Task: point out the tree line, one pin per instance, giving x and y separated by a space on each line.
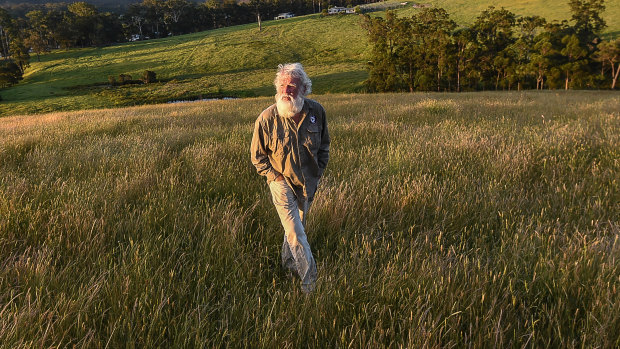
499 51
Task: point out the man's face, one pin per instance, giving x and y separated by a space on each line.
288 88
289 98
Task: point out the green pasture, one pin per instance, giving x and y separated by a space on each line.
443 220
236 61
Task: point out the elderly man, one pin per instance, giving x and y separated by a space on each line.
290 147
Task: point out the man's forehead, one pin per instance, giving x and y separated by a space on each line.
288 79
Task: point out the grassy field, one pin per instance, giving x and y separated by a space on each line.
237 61
443 220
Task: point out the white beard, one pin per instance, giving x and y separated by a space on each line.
289 108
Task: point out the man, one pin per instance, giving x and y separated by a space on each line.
290 147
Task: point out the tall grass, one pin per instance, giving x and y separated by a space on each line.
483 219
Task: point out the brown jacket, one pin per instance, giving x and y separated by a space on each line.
299 152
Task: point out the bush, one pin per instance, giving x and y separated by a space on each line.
124 79
149 77
324 12
111 80
10 73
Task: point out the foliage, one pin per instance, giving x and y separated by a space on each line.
609 55
443 220
149 77
124 78
588 20
10 73
498 51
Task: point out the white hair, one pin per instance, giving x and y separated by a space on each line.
295 70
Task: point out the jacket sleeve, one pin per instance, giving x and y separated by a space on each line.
323 153
260 154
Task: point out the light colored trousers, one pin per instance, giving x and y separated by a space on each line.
296 253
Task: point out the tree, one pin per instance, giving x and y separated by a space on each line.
609 53
541 58
464 46
37 34
82 18
494 33
10 73
20 54
6 27
257 5
575 59
522 51
384 74
154 15
435 27
588 22
137 15
174 11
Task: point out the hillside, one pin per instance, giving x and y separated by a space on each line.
236 61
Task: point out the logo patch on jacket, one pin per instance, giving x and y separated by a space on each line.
312 119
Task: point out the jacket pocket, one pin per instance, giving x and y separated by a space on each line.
313 138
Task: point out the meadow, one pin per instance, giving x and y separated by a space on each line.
236 61
443 220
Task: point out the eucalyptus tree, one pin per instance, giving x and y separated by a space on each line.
541 59
609 54
7 25
576 60
464 52
384 67
588 21
494 32
434 28
37 35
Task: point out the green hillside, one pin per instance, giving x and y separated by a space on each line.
237 61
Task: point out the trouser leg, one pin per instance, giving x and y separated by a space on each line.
296 253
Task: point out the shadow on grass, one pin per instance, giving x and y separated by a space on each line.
611 35
348 81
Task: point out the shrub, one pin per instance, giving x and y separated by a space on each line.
324 12
124 79
10 73
149 77
111 80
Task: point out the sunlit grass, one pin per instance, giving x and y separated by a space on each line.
483 219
